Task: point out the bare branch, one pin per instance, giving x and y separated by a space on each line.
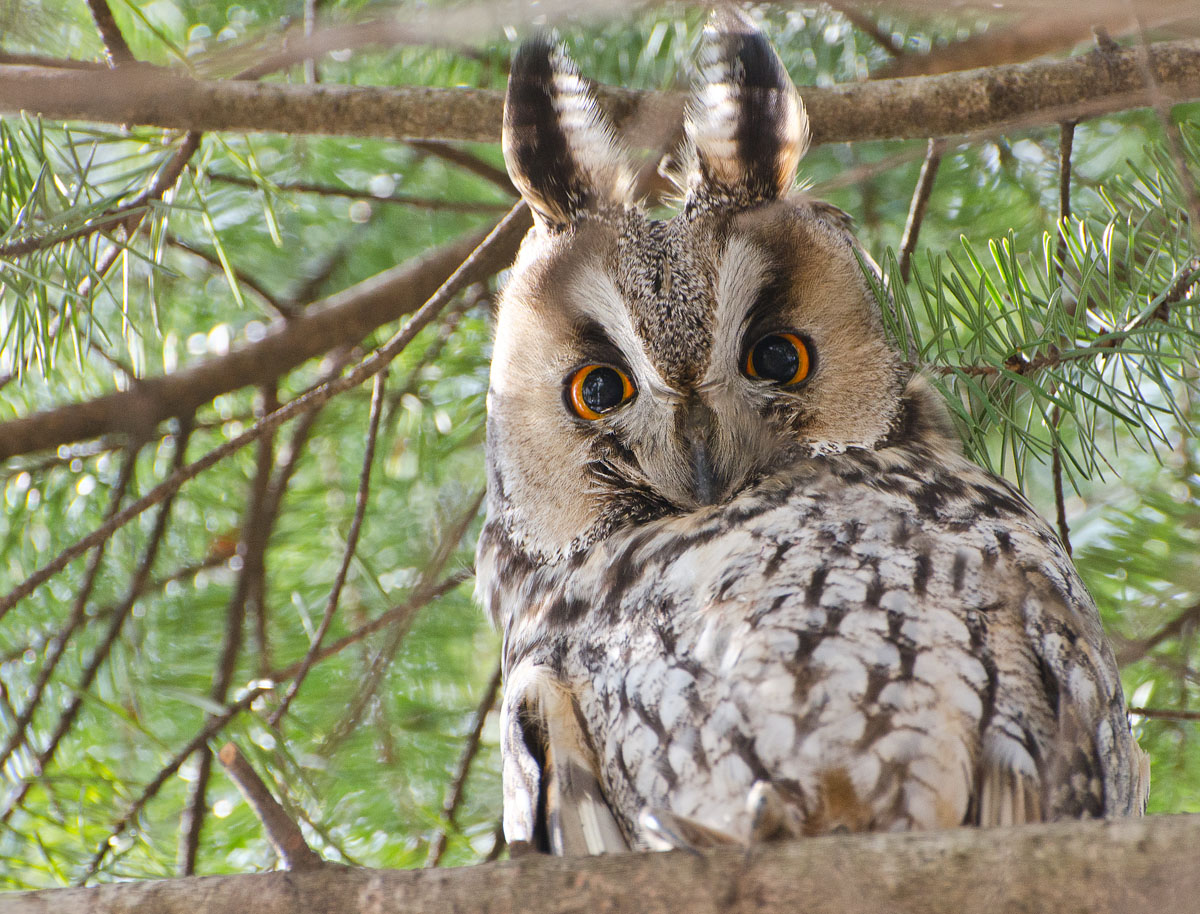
1102 866
1136 649
401 614
214 725
1166 714
58 644
945 105
496 250
458 785
335 592
920 199
869 26
115 48
327 190
252 549
341 319
283 833
138 584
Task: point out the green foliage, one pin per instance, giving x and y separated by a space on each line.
1091 352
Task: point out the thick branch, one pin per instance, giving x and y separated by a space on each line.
342 319
1100 867
946 105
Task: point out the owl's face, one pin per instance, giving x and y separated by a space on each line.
646 367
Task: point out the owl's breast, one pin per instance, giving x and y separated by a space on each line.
832 638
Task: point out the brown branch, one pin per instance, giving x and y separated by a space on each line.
1136 649
8 58
252 550
341 319
1105 866
115 48
138 584
456 156
360 509
328 190
402 614
920 199
945 105
214 724
1066 140
1165 714
59 642
399 630
869 26
496 250
280 307
458 785
38 641
282 831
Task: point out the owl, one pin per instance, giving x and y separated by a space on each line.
749 586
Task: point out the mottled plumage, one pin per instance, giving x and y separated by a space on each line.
741 601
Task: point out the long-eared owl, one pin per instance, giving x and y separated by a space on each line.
749 587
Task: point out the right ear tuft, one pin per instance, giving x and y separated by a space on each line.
561 150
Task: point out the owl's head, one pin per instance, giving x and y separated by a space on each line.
644 367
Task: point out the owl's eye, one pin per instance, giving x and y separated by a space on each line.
594 390
779 357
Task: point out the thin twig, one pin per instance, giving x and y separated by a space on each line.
59 642
282 831
401 614
115 47
214 724
280 307
457 788
137 585
920 200
457 156
471 270
39 640
1165 713
328 190
384 656
1136 649
252 549
869 26
1066 140
360 509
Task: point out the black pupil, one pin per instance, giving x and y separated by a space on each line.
602 389
775 358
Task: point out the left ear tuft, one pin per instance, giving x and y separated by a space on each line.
561 150
747 128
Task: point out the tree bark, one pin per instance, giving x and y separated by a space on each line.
1114 867
992 98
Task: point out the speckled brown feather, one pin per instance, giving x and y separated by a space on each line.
739 611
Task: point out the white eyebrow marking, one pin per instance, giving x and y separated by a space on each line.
594 293
741 274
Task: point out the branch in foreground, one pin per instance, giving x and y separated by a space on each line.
1039 92
1112 867
283 833
341 319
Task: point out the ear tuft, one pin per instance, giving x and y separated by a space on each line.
746 129
561 150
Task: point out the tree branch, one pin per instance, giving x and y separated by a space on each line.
283 833
1103 867
498 248
1026 94
341 319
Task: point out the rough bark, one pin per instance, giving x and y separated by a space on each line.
947 105
1116 867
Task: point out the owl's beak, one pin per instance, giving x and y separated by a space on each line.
698 422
